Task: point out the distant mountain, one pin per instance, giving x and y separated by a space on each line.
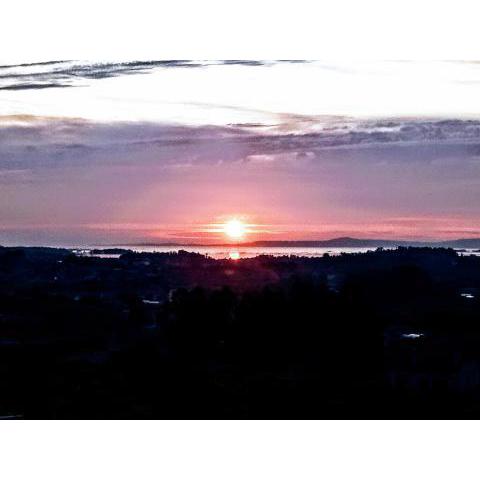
349 242
461 243
341 242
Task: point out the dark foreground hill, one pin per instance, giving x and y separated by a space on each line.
385 334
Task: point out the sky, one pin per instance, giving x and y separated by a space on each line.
135 151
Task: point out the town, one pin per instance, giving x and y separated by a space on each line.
382 334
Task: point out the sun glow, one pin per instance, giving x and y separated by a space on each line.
234 229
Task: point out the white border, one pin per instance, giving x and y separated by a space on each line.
368 29
239 450
253 29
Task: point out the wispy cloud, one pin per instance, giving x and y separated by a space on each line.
54 74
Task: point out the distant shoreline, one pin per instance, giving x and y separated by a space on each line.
334 243
341 242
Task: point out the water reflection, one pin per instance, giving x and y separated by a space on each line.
234 255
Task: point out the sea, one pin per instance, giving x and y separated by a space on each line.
239 252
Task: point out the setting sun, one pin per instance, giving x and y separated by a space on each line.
235 229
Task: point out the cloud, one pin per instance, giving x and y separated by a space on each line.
54 74
249 63
33 86
36 64
38 142
67 73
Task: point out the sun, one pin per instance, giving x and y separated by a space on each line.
235 229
